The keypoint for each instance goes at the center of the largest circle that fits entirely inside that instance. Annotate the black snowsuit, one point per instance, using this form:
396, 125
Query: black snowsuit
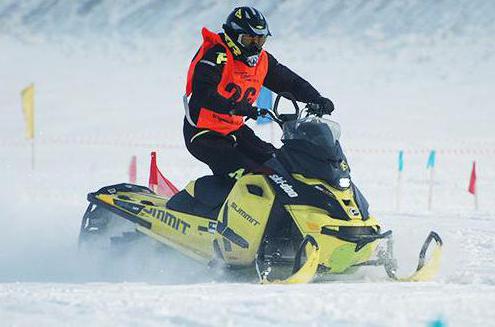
226, 154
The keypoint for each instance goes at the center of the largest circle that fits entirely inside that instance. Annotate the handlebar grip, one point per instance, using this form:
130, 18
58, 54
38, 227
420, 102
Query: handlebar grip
313, 106
315, 109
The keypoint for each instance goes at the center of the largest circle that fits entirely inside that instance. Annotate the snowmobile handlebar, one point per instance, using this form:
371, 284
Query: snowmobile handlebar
279, 118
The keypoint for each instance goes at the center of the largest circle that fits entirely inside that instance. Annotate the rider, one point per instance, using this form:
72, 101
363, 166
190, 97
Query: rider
223, 82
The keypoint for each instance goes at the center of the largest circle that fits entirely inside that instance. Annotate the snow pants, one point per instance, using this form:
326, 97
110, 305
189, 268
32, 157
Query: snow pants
227, 155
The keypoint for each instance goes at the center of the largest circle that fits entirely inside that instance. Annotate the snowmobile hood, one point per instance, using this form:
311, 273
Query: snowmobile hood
312, 161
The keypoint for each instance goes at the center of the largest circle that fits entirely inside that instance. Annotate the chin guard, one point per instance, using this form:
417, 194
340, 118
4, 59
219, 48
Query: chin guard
251, 61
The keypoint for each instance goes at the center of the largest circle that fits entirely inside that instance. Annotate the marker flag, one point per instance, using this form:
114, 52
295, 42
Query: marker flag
399, 179
133, 170
437, 323
27, 96
430, 165
401, 161
157, 182
431, 159
264, 101
472, 180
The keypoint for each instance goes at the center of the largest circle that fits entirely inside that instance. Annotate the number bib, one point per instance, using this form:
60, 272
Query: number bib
239, 82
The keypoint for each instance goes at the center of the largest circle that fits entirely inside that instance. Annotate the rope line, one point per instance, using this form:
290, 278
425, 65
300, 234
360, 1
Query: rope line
94, 141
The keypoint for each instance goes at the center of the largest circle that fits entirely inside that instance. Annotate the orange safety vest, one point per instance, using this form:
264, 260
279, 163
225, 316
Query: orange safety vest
239, 82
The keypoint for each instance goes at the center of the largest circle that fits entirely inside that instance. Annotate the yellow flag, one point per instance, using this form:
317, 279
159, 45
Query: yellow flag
28, 107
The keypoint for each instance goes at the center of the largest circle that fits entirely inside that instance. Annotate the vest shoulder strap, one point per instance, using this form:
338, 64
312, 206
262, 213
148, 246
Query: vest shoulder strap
210, 39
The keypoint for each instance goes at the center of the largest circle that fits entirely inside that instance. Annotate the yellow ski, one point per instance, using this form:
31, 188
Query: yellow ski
429, 270
426, 270
306, 273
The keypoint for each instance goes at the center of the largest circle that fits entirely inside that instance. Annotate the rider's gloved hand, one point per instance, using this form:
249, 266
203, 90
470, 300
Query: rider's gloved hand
245, 109
325, 106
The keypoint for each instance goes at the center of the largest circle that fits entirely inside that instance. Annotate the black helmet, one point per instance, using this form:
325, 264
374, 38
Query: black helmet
246, 24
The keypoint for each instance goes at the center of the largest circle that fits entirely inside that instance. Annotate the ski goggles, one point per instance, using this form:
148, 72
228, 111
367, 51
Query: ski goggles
249, 40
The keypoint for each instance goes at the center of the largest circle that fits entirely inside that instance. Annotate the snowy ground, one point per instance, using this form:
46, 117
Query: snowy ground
97, 106
337, 304
56, 286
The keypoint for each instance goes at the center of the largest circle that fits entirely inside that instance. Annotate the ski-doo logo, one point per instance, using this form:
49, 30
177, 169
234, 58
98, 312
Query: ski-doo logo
287, 188
244, 214
169, 219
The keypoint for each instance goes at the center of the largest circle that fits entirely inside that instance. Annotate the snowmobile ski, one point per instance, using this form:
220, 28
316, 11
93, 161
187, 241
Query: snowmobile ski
427, 269
300, 274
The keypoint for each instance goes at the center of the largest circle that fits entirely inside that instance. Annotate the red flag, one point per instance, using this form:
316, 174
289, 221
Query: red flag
472, 180
133, 170
158, 182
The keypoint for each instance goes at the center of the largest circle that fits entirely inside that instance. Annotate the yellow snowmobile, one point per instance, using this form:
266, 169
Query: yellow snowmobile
300, 217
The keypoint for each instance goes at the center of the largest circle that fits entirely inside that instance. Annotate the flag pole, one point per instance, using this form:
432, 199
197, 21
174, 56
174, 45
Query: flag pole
399, 180
476, 195
32, 154
476, 207
430, 192
398, 198
472, 185
431, 165
153, 178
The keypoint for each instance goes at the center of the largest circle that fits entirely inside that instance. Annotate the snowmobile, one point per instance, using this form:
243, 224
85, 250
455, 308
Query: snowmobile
299, 218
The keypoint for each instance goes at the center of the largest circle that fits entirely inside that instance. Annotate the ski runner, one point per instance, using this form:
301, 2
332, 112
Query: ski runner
224, 80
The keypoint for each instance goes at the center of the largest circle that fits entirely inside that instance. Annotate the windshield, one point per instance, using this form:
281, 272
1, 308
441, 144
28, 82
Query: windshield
318, 131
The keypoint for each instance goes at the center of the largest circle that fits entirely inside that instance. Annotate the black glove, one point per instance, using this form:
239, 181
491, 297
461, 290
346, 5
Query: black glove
245, 109
325, 106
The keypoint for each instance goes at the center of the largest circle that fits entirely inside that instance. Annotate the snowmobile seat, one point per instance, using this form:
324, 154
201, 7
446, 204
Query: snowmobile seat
210, 193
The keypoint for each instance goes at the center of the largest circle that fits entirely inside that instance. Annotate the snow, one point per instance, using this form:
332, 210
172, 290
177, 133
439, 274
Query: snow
336, 304
109, 78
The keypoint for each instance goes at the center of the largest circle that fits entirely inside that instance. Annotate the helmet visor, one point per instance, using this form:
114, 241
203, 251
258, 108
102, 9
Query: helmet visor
248, 41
